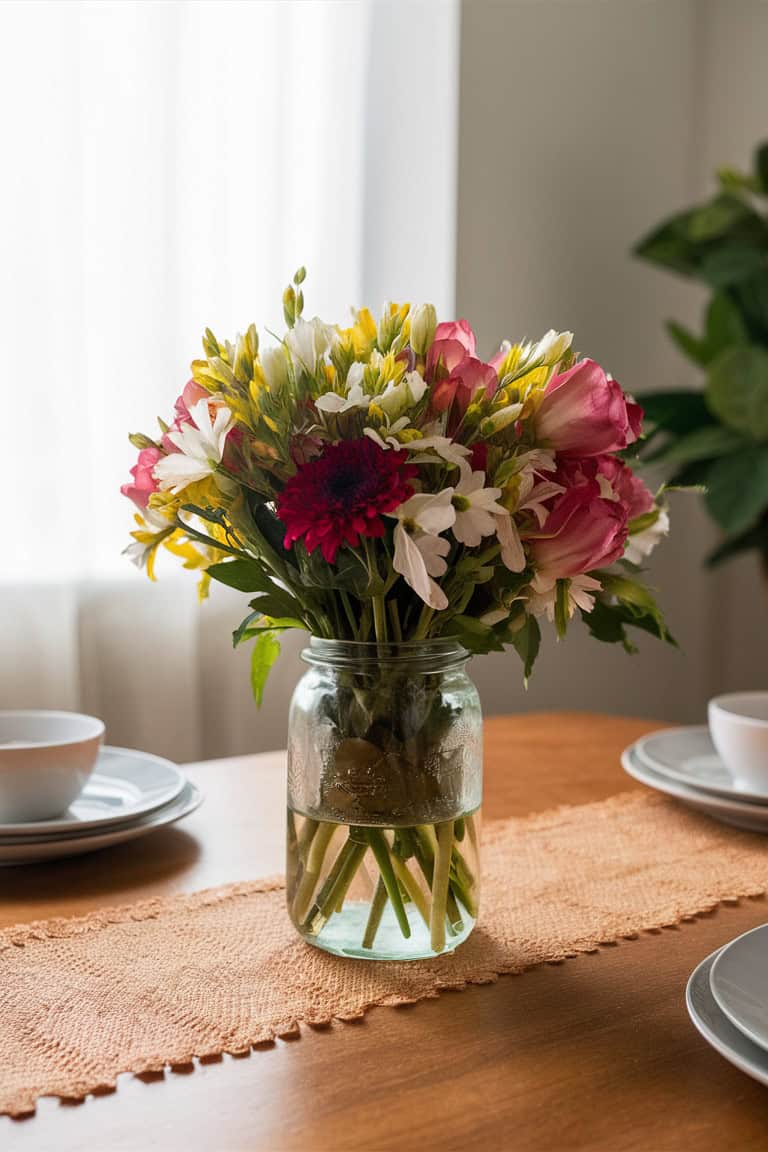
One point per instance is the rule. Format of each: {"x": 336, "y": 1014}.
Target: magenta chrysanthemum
{"x": 342, "y": 495}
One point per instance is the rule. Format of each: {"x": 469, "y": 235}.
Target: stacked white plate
{"x": 727, "y": 999}
{"x": 682, "y": 762}
{"x": 129, "y": 794}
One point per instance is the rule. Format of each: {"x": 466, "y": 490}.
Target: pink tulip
{"x": 460, "y": 331}
{"x": 144, "y": 483}
{"x": 616, "y": 481}
{"x": 582, "y": 532}
{"x": 455, "y": 373}
{"x": 584, "y": 413}
{"x": 459, "y": 387}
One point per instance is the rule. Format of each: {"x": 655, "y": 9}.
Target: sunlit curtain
{"x": 168, "y": 166}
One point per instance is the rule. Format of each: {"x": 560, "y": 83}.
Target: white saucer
{"x": 739, "y": 983}
{"x": 739, "y": 813}
{"x": 717, "y": 1029}
{"x": 31, "y": 852}
{"x": 125, "y": 784}
{"x": 688, "y": 755}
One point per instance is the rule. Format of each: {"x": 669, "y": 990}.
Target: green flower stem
{"x": 379, "y": 619}
{"x": 380, "y": 848}
{"x": 425, "y": 619}
{"x": 411, "y": 886}
{"x": 472, "y": 829}
{"x": 459, "y": 829}
{"x": 395, "y": 621}
{"x": 455, "y": 922}
{"x": 334, "y": 886}
{"x": 464, "y": 874}
{"x": 440, "y": 881}
{"x": 375, "y": 914}
{"x": 353, "y": 853}
{"x": 305, "y": 838}
{"x": 316, "y": 858}
{"x": 347, "y": 605}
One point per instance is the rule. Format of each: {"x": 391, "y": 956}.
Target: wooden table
{"x": 596, "y": 1053}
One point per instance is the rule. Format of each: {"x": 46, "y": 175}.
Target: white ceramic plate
{"x": 739, "y": 813}
{"x": 717, "y": 1029}
{"x": 688, "y": 755}
{"x": 125, "y": 784}
{"x": 21, "y": 852}
{"x": 739, "y": 982}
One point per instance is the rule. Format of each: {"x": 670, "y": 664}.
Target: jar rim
{"x": 429, "y": 655}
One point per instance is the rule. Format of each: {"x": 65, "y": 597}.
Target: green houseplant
{"x": 718, "y": 438}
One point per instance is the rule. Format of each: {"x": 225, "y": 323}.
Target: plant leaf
{"x": 737, "y": 489}
{"x": 677, "y": 411}
{"x": 724, "y": 325}
{"x": 761, "y": 166}
{"x": 690, "y": 345}
{"x": 725, "y": 266}
{"x": 717, "y": 217}
{"x": 561, "y": 607}
{"x": 669, "y": 245}
{"x": 706, "y": 443}
{"x": 737, "y": 392}
{"x": 526, "y": 642}
{"x": 266, "y": 649}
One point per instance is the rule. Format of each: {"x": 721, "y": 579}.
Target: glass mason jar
{"x": 384, "y": 789}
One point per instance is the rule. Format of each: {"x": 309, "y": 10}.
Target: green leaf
{"x": 724, "y": 325}
{"x": 737, "y": 392}
{"x": 690, "y": 345}
{"x": 266, "y": 650}
{"x": 243, "y": 629}
{"x": 761, "y": 166}
{"x": 670, "y": 246}
{"x": 475, "y": 636}
{"x": 756, "y": 537}
{"x": 244, "y": 575}
{"x": 706, "y": 443}
{"x": 634, "y": 595}
{"x": 561, "y": 607}
{"x": 677, "y": 411}
{"x": 717, "y": 217}
{"x": 725, "y": 266}
{"x": 731, "y": 180}
{"x": 275, "y": 603}
{"x": 526, "y": 642}
{"x": 737, "y": 489}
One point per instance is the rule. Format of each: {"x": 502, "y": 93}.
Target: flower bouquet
{"x": 408, "y": 504}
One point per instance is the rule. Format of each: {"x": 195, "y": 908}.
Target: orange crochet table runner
{"x": 163, "y": 981}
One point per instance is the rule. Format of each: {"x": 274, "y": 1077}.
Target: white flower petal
{"x": 434, "y": 549}
{"x": 642, "y": 543}
{"x": 432, "y": 512}
{"x": 410, "y": 563}
{"x": 512, "y": 554}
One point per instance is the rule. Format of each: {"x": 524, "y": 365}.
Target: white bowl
{"x": 738, "y": 723}
{"x": 45, "y": 760}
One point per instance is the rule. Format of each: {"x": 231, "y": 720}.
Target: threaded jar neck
{"x": 414, "y": 655}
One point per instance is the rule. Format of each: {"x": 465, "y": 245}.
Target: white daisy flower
{"x": 476, "y": 507}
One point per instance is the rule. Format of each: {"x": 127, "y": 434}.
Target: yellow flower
{"x": 362, "y": 335}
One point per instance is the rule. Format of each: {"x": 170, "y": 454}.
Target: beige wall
{"x": 581, "y": 124}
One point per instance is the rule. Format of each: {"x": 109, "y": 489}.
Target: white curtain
{"x": 168, "y": 166}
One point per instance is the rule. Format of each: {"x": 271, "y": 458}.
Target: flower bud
{"x": 274, "y": 364}
{"x": 423, "y": 325}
